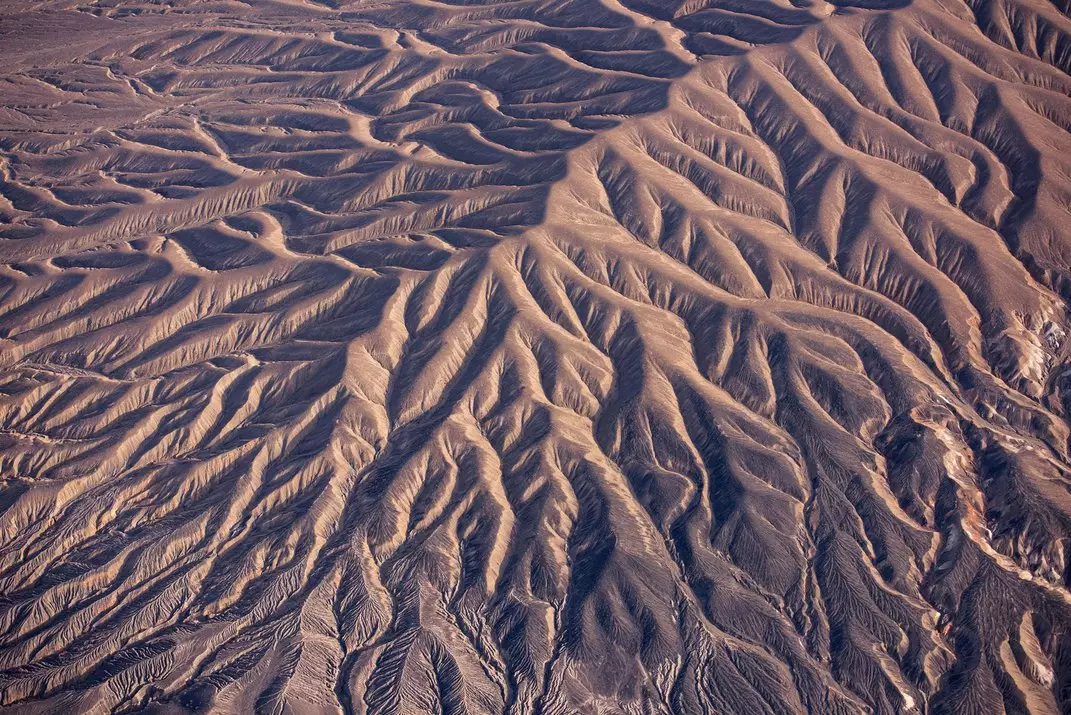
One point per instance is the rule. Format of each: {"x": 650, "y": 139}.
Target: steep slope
{"x": 535, "y": 356}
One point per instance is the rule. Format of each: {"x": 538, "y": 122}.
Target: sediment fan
{"x": 535, "y": 357}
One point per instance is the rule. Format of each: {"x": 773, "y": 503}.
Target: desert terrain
{"x": 535, "y": 357}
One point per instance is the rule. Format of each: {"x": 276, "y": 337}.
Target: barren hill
{"x": 535, "y": 357}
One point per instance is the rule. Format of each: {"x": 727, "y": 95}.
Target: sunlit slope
{"x": 535, "y": 357}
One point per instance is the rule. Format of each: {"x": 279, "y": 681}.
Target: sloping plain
{"x": 535, "y": 357}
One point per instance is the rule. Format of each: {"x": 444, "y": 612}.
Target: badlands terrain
{"x": 535, "y": 357}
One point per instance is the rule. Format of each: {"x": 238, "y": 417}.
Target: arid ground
{"x": 535, "y": 357}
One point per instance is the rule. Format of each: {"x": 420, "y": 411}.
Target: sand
{"x": 535, "y": 357}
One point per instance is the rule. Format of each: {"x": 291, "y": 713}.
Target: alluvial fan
{"x": 535, "y": 357}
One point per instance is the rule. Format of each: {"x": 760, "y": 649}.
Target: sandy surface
{"x": 535, "y": 357}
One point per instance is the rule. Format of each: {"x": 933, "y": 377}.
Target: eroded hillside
{"x": 535, "y": 357}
